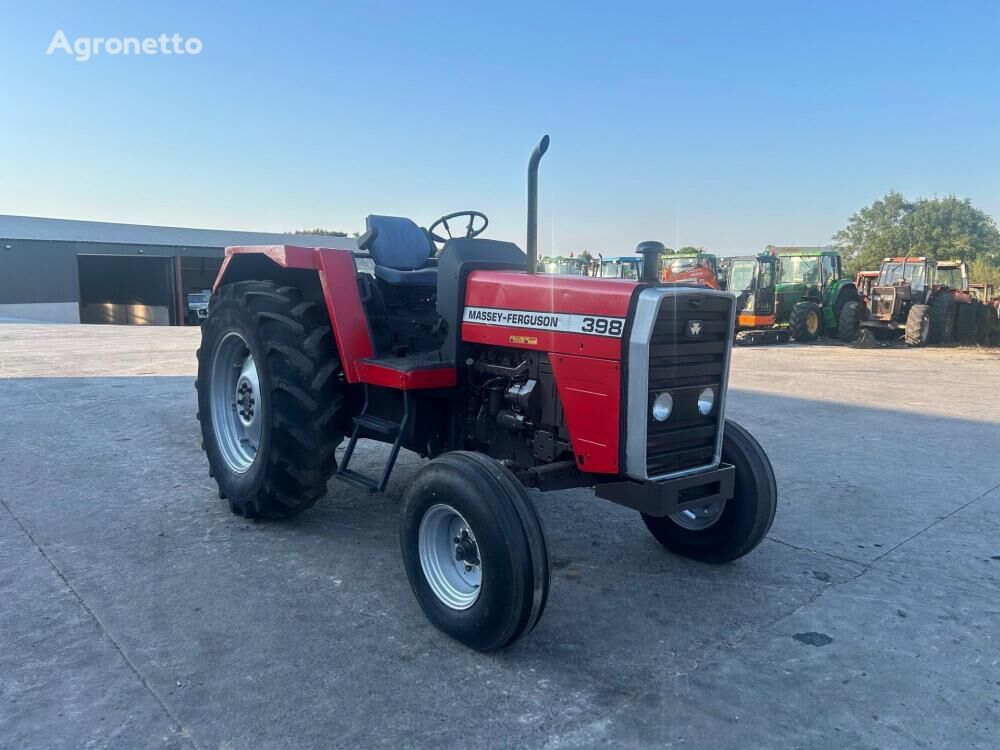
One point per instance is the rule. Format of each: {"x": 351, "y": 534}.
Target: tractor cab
{"x": 951, "y": 274}
{"x": 811, "y": 291}
{"x": 901, "y": 282}
{"x": 622, "y": 267}
{"x": 690, "y": 267}
{"x": 752, "y": 279}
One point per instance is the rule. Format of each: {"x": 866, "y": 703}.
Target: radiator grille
{"x": 688, "y": 351}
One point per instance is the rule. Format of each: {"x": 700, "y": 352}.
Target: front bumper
{"x": 671, "y": 495}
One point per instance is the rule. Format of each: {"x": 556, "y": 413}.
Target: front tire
{"x": 474, "y": 550}
{"x": 742, "y": 521}
{"x": 269, "y": 398}
{"x": 918, "y": 326}
{"x": 806, "y": 321}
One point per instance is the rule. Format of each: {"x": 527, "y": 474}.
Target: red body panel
{"x": 590, "y": 391}
{"x": 338, "y": 277}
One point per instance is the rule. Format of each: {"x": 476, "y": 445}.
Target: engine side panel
{"x": 590, "y": 391}
{"x": 579, "y": 323}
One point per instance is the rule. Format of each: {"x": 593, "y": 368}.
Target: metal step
{"x": 377, "y": 424}
{"x": 359, "y": 480}
{"x": 380, "y": 426}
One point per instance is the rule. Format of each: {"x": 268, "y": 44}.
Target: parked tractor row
{"x": 802, "y": 294}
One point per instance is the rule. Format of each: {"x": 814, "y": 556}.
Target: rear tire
{"x": 942, "y": 318}
{"x": 474, "y": 499}
{"x": 984, "y": 325}
{"x": 967, "y": 324}
{"x": 806, "y": 321}
{"x": 746, "y": 517}
{"x": 918, "y": 326}
{"x": 280, "y": 467}
{"x": 849, "y": 324}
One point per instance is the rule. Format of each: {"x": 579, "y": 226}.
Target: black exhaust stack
{"x": 536, "y": 157}
{"x": 651, "y": 252}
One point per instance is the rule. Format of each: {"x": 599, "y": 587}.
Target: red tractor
{"x": 927, "y": 301}
{"x": 506, "y": 379}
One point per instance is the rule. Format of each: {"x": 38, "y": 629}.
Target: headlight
{"x": 706, "y": 402}
{"x": 662, "y": 406}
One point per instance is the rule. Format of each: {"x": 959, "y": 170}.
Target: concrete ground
{"x": 138, "y": 612}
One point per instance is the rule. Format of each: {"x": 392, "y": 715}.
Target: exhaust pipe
{"x": 532, "y": 246}
{"x": 651, "y": 252}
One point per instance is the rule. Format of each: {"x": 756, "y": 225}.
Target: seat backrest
{"x": 398, "y": 243}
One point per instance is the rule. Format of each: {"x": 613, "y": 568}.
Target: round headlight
{"x": 706, "y": 402}
{"x": 662, "y": 406}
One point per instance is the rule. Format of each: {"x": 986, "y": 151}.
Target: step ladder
{"x": 368, "y": 424}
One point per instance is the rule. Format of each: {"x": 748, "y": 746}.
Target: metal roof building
{"x": 67, "y": 271}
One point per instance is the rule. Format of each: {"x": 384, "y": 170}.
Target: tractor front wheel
{"x": 726, "y": 530}
{"x": 918, "y": 326}
{"x": 269, "y": 398}
{"x": 474, "y": 550}
{"x": 805, "y": 321}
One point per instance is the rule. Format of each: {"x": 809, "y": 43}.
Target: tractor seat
{"x": 400, "y": 250}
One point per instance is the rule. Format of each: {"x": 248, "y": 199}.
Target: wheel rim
{"x": 698, "y": 519}
{"x": 812, "y": 322}
{"x": 449, "y": 557}
{"x": 236, "y": 402}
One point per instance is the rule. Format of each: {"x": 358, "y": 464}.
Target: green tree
{"x": 872, "y": 233}
{"x": 940, "y": 227}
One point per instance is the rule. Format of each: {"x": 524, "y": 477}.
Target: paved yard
{"x": 138, "y": 612}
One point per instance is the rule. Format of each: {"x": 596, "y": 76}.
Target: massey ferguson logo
{"x": 694, "y": 328}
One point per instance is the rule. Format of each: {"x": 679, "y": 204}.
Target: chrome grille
{"x": 679, "y": 361}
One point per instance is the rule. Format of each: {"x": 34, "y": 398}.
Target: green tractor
{"x": 811, "y": 291}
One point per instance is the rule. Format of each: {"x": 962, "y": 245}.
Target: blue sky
{"x": 726, "y": 125}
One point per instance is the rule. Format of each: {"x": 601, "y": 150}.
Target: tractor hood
{"x": 567, "y": 314}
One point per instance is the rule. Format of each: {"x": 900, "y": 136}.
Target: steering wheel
{"x": 469, "y": 230}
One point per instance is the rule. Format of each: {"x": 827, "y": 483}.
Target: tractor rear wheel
{"x": 474, "y": 550}
{"x": 726, "y": 530}
{"x": 269, "y": 398}
{"x": 983, "y": 325}
{"x": 918, "y": 326}
{"x": 943, "y": 311}
{"x": 967, "y": 323}
{"x": 806, "y": 321}
{"x": 849, "y": 324}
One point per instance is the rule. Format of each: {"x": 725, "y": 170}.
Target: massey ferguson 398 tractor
{"x": 506, "y": 379}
